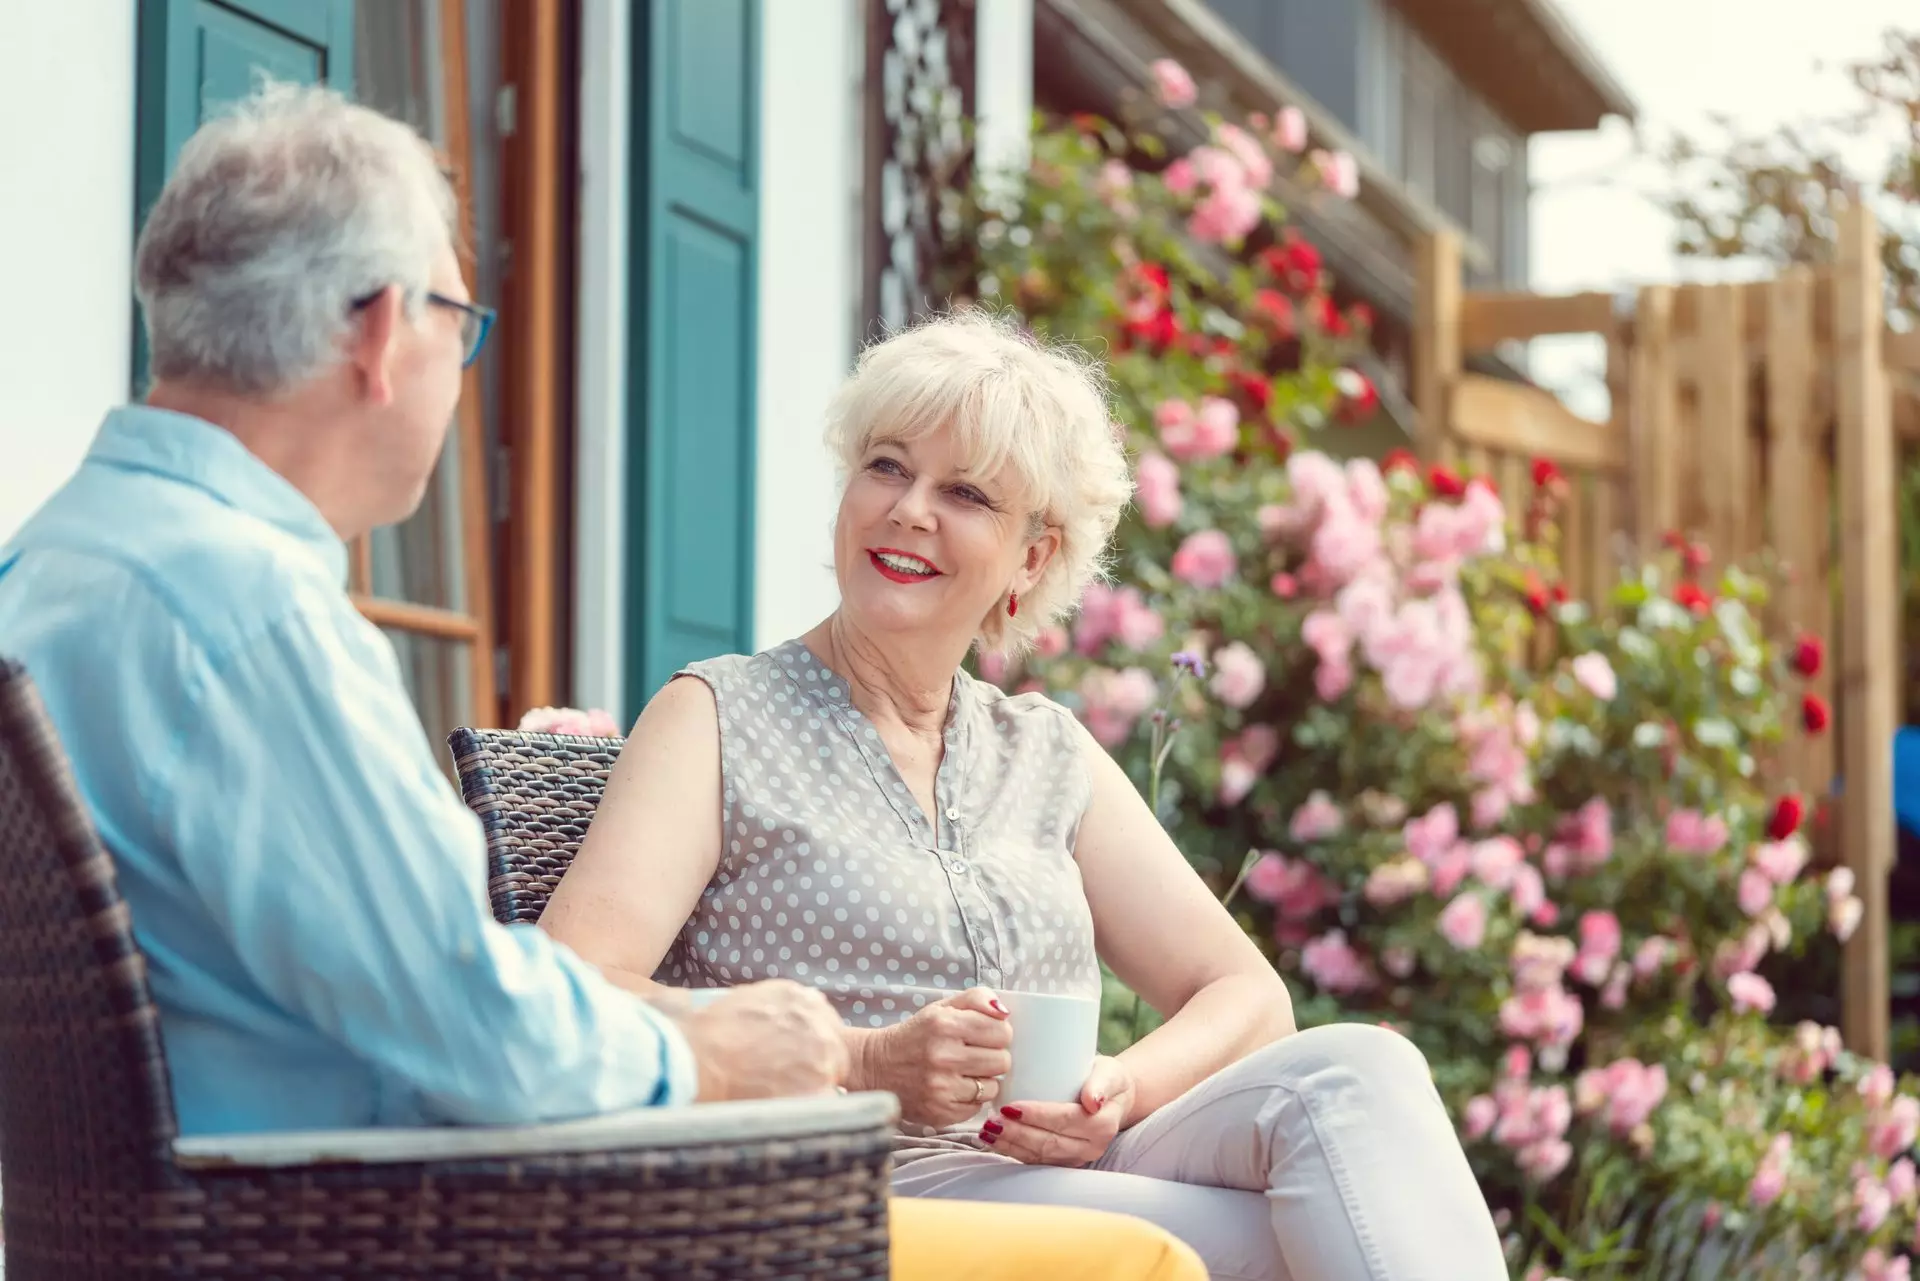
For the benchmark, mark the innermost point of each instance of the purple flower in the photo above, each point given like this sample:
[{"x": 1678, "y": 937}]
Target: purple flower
[{"x": 1188, "y": 661}]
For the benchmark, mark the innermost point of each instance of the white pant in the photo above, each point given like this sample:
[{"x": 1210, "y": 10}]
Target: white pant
[{"x": 1325, "y": 1156}]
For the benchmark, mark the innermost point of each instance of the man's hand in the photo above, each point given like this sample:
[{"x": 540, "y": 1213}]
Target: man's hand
[
  {"x": 766, "y": 1040},
  {"x": 1066, "y": 1134}
]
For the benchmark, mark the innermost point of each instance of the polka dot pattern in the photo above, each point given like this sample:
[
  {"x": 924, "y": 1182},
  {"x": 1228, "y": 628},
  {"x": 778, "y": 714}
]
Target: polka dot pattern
[{"x": 832, "y": 875}]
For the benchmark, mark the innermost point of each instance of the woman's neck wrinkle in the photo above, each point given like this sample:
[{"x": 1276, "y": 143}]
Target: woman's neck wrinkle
[{"x": 882, "y": 691}]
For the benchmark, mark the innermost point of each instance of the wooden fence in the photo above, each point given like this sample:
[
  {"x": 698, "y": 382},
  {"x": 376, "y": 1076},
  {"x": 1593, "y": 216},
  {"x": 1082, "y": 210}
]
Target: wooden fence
[{"x": 1762, "y": 417}]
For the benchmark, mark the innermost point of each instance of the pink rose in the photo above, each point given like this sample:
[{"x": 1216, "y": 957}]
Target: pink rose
[
  {"x": 1113, "y": 184},
  {"x": 1690, "y": 832},
  {"x": 1157, "y": 484},
  {"x": 993, "y": 667},
  {"x": 1544, "y": 1160},
  {"x": 1479, "y": 1116},
  {"x": 1172, "y": 84},
  {"x": 1339, "y": 172},
  {"x": 1254, "y": 164},
  {"x": 1238, "y": 675},
  {"x": 1179, "y": 177},
  {"x": 1331, "y": 962},
  {"x": 1769, "y": 1181},
  {"x": 1464, "y": 922},
  {"x": 578, "y": 722},
  {"x": 1892, "y": 1130},
  {"x": 1549, "y": 1016},
  {"x": 1750, "y": 992},
  {"x": 1539, "y": 961},
  {"x": 1225, "y": 215},
  {"x": 1114, "y": 700},
  {"x": 1290, "y": 130},
  {"x": 1652, "y": 955},
  {"x": 1332, "y": 679},
  {"x": 1595, "y": 675},
  {"x": 1876, "y": 1266},
  {"x": 1051, "y": 642},
  {"x": 1495, "y": 861},
  {"x": 1756, "y": 892},
  {"x": 1877, "y": 1086},
  {"x": 1780, "y": 861},
  {"x": 1345, "y": 544},
  {"x": 1205, "y": 559},
  {"x": 1871, "y": 1203},
  {"x": 1237, "y": 778},
  {"x": 1528, "y": 891},
  {"x": 1900, "y": 1180},
  {"x": 1599, "y": 945},
  {"x": 1316, "y": 820},
  {"x": 1432, "y": 833}
]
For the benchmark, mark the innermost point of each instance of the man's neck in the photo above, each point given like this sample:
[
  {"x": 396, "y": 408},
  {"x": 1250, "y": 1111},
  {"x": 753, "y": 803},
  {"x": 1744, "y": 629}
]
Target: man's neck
[{"x": 280, "y": 435}]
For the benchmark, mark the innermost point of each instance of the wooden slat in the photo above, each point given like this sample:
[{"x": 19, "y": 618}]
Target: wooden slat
[
  {"x": 1436, "y": 340},
  {"x": 533, "y": 321},
  {"x": 427, "y": 620},
  {"x": 476, "y": 521},
  {"x": 1576, "y": 537},
  {"x": 1902, "y": 351},
  {"x": 1606, "y": 527},
  {"x": 1870, "y": 674},
  {"x": 1724, "y": 466},
  {"x": 1797, "y": 500},
  {"x": 1906, "y": 413},
  {"x": 1523, "y": 419},
  {"x": 1488, "y": 319},
  {"x": 1513, "y": 476},
  {"x": 1654, "y": 410}
]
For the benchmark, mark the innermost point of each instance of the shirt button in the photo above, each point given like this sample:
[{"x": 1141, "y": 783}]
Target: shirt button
[
  {"x": 958, "y": 866},
  {"x": 953, "y": 814}
]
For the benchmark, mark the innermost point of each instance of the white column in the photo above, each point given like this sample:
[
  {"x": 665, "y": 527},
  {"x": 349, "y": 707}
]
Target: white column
[
  {"x": 66, "y": 238},
  {"x": 1003, "y": 83},
  {"x": 600, "y": 462},
  {"x": 810, "y": 160}
]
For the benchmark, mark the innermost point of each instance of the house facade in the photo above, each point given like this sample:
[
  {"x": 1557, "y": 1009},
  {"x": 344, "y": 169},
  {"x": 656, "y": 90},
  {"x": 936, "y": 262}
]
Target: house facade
[{"x": 690, "y": 213}]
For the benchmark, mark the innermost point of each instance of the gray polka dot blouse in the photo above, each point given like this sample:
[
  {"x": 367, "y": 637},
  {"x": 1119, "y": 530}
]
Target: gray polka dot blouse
[{"x": 831, "y": 875}]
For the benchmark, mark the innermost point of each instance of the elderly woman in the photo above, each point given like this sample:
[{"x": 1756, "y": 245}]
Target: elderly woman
[{"x": 851, "y": 810}]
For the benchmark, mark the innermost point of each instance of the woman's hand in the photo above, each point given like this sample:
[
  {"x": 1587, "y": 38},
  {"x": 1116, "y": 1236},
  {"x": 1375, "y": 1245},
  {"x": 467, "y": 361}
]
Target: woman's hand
[
  {"x": 1067, "y": 1134},
  {"x": 942, "y": 1062}
]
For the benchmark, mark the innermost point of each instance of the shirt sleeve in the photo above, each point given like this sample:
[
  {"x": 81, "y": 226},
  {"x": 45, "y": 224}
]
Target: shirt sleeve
[{"x": 310, "y": 817}]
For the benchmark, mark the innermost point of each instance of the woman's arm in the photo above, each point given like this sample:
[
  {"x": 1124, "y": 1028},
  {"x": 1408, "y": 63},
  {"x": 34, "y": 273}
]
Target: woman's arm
[
  {"x": 653, "y": 846},
  {"x": 1165, "y": 935}
]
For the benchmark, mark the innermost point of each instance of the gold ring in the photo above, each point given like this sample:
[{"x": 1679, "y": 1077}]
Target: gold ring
[{"x": 979, "y": 1088}]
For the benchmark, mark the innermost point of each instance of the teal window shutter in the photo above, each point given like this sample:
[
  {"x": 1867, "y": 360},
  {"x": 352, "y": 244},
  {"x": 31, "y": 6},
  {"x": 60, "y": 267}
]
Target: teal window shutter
[
  {"x": 692, "y": 307},
  {"x": 197, "y": 55}
]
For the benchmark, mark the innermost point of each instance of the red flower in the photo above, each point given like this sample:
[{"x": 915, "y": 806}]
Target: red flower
[
  {"x": 1275, "y": 309},
  {"x": 1673, "y": 540},
  {"x": 1815, "y": 714},
  {"x": 1360, "y": 315},
  {"x": 1400, "y": 460},
  {"x": 1544, "y": 472},
  {"x": 1257, "y": 390},
  {"x": 1559, "y": 593},
  {"x": 1696, "y": 557},
  {"x": 1158, "y": 331},
  {"x": 1293, "y": 262},
  {"x": 1808, "y": 655},
  {"x": 1445, "y": 482},
  {"x": 1358, "y": 396},
  {"x": 1693, "y": 597},
  {"x": 1788, "y": 813},
  {"x": 1326, "y": 315},
  {"x": 1536, "y": 595},
  {"x": 1155, "y": 275}
]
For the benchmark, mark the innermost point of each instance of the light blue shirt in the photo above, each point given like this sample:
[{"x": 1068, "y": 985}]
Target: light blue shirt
[{"x": 307, "y": 885}]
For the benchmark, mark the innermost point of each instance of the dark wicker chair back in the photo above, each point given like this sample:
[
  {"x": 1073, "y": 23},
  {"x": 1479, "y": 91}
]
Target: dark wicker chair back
[
  {"x": 535, "y": 795},
  {"x": 86, "y": 1108}
]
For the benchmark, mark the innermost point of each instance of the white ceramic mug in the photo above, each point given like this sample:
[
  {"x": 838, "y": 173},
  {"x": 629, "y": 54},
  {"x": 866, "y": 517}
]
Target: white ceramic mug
[{"x": 1055, "y": 1040}]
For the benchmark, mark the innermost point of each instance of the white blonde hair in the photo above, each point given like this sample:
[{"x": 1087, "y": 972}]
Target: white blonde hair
[
  {"x": 1011, "y": 401},
  {"x": 281, "y": 212}
]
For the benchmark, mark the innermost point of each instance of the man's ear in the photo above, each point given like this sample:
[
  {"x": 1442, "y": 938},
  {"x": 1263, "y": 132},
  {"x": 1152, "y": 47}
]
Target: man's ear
[{"x": 375, "y": 341}]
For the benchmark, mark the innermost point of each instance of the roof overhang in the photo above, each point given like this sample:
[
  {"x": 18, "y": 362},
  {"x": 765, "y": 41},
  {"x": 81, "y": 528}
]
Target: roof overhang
[{"x": 1524, "y": 58}]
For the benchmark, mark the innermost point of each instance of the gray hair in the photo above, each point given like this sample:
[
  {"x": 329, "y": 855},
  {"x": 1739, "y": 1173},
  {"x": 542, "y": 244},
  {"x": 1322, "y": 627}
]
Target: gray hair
[
  {"x": 280, "y": 214},
  {"x": 1013, "y": 401}
]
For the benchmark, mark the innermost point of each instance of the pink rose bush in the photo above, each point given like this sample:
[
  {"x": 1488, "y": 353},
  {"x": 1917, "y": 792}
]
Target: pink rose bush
[{"x": 1531, "y": 833}]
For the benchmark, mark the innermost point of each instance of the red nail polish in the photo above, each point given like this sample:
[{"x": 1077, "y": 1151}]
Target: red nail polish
[
  {"x": 998, "y": 1007},
  {"x": 988, "y": 1136},
  {"x": 992, "y": 1126},
  {"x": 1012, "y": 1114}
]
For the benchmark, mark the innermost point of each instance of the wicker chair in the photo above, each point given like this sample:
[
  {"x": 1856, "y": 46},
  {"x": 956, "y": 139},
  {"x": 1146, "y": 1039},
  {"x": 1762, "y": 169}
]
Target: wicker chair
[
  {"x": 98, "y": 1185},
  {"x": 535, "y": 795}
]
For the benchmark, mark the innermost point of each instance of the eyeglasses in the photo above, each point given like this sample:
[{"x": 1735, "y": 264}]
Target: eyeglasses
[{"x": 476, "y": 322}]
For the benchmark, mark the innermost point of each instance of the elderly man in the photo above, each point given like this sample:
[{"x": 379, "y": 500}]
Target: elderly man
[{"x": 306, "y": 885}]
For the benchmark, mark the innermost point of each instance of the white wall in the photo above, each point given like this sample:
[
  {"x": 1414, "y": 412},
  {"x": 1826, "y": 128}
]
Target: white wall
[
  {"x": 810, "y": 176},
  {"x": 66, "y": 238}
]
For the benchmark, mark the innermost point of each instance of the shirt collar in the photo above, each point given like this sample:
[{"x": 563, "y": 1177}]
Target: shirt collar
[{"x": 212, "y": 459}]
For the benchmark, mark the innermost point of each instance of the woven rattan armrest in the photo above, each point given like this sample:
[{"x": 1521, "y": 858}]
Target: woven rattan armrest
[{"x": 698, "y": 1125}]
